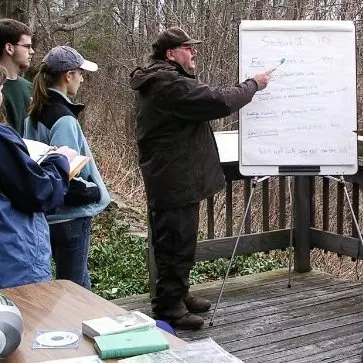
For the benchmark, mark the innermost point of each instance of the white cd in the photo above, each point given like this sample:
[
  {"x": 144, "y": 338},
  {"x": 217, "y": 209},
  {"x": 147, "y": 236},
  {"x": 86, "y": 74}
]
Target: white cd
[{"x": 56, "y": 338}]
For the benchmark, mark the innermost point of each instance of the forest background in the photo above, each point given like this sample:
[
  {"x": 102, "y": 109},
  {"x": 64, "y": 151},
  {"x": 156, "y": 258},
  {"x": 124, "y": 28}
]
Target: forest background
[{"x": 117, "y": 34}]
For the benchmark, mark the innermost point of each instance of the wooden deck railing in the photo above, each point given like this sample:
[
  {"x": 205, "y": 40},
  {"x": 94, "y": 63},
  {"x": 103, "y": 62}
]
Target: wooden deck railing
[{"x": 321, "y": 220}]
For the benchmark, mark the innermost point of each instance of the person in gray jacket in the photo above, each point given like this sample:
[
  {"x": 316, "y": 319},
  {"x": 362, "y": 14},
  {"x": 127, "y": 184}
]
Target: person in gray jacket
[
  {"x": 53, "y": 119},
  {"x": 179, "y": 162}
]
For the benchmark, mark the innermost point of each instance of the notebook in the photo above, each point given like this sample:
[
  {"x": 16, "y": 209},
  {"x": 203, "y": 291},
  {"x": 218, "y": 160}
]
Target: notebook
[
  {"x": 130, "y": 343},
  {"x": 131, "y": 320}
]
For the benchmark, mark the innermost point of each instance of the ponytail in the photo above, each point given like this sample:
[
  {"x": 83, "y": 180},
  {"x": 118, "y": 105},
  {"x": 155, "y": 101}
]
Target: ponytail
[
  {"x": 3, "y": 77},
  {"x": 44, "y": 79}
]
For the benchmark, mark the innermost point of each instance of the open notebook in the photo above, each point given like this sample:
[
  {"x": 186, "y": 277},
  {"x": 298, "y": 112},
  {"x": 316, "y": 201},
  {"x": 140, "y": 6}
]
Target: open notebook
[{"x": 38, "y": 151}]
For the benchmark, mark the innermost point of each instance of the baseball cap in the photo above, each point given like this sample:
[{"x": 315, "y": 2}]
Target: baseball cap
[
  {"x": 172, "y": 38},
  {"x": 64, "y": 58}
]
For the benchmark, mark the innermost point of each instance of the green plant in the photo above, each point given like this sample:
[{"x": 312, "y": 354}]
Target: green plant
[
  {"x": 118, "y": 263},
  {"x": 117, "y": 259}
]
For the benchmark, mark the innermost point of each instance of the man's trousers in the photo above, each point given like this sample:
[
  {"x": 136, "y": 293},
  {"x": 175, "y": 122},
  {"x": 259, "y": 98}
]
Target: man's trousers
[{"x": 174, "y": 237}]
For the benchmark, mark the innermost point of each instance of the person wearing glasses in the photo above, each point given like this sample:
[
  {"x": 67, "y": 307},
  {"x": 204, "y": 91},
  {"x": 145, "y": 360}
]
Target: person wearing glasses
[
  {"x": 16, "y": 53},
  {"x": 53, "y": 119},
  {"x": 179, "y": 162}
]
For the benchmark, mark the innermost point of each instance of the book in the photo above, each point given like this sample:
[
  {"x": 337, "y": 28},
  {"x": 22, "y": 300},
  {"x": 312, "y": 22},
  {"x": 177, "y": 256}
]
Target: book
[
  {"x": 130, "y": 320},
  {"x": 38, "y": 151},
  {"x": 198, "y": 351},
  {"x": 130, "y": 343}
]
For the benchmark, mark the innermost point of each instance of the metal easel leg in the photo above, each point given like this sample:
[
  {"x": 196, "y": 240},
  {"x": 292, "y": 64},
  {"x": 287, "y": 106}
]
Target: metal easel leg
[
  {"x": 291, "y": 228},
  {"x": 255, "y": 181}
]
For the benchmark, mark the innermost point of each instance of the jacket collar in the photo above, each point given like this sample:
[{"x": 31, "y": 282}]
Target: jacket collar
[
  {"x": 180, "y": 69},
  {"x": 59, "y": 97}
]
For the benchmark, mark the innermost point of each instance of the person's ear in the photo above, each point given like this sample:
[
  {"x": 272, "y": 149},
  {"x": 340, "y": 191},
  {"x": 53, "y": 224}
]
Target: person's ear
[
  {"x": 169, "y": 55},
  {"x": 9, "y": 49},
  {"x": 68, "y": 76}
]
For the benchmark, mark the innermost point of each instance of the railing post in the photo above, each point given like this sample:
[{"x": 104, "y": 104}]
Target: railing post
[{"x": 302, "y": 202}]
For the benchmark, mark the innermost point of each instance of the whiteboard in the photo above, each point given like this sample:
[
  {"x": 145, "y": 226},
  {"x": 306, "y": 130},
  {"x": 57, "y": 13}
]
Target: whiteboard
[{"x": 303, "y": 123}]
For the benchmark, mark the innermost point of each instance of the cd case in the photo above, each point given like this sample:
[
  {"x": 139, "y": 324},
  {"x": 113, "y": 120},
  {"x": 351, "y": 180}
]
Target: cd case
[{"x": 51, "y": 339}]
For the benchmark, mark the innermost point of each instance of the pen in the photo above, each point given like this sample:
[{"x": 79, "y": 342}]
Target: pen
[{"x": 282, "y": 60}]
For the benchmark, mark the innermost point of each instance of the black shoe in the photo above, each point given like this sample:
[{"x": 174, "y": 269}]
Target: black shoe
[
  {"x": 188, "y": 322},
  {"x": 196, "y": 304}
]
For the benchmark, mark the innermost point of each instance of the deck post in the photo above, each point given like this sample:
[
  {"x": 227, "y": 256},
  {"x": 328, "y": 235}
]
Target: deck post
[{"x": 302, "y": 208}]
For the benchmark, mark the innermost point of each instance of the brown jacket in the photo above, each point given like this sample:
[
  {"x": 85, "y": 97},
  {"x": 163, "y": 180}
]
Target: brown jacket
[{"x": 178, "y": 155}]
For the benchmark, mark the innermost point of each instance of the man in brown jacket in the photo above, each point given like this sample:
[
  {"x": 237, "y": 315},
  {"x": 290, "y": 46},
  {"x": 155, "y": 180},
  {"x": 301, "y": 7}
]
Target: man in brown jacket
[{"x": 179, "y": 162}]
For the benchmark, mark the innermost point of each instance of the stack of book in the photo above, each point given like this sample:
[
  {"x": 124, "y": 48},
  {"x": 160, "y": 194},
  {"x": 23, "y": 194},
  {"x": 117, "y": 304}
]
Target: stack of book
[{"x": 125, "y": 335}]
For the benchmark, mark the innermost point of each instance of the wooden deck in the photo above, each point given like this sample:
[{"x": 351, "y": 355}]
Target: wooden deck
[{"x": 318, "y": 319}]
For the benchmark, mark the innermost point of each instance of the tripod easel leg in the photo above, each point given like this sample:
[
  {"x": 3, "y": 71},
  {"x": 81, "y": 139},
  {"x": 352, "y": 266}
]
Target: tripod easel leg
[{"x": 254, "y": 184}]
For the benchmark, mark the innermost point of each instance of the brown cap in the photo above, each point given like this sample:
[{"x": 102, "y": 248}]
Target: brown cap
[{"x": 172, "y": 38}]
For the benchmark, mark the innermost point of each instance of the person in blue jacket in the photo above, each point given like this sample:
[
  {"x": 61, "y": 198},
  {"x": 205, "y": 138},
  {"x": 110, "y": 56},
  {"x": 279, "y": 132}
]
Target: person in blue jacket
[
  {"x": 53, "y": 120},
  {"x": 27, "y": 190}
]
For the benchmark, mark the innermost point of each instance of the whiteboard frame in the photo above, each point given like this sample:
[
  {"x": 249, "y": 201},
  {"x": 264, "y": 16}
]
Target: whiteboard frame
[{"x": 295, "y": 25}]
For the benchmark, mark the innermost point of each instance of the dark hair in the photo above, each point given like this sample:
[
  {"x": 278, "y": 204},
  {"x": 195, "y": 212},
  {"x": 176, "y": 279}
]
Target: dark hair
[
  {"x": 10, "y": 32},
  {"x": 44, "y": 79}
]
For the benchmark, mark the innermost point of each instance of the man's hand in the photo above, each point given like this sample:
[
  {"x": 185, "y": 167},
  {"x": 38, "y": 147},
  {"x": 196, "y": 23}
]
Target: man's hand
[
  {"x": 262, "y": 79},
  {"x": 69, "y": 153}
]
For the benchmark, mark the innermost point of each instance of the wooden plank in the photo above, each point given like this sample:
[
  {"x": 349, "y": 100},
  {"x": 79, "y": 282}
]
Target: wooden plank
[
  {"x": 326, "y": 203},
  {"x": 355, "y": 206},
  {"x": 250, "y": 285},
  {"x": 342, "y": 245},
  {"x": 295, "y": 342},
  {"x": 265, "y": 206},
  {"x": 312, "y": 188},
  {"x": 278, "y": 319},
  {"x": 282, "y": 202},
  {"x": 248, "y": 243},
  {"x": 340, "y": 208},
  {"x": 317, "y": 350},
  {"x": 260, "y": 320},
  {"x": 246, "y": 194},
  {"x": 229, "y": 212},
  {"x": 283, "y": 335}
]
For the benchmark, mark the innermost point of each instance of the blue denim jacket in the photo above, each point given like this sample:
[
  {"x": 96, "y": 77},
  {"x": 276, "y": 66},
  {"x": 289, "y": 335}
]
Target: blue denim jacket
[{"x": 27, "y": 190}]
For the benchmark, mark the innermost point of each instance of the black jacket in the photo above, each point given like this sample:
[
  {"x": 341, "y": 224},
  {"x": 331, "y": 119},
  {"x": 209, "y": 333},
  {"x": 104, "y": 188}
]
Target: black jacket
[{"x": 178, "y": 155}]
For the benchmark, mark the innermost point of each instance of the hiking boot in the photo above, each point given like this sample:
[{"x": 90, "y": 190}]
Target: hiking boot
[
  {"x": 196, "y": 304},
  {"x": 188, "y": 322}
]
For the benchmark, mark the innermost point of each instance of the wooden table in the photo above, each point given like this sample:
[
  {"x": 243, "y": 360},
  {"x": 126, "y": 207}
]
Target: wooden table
[{"x": 59, "y": 305}]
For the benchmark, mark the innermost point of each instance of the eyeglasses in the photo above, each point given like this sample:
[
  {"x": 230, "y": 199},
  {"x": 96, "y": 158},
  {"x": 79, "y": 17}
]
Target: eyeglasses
[
  {"x": 191, "y": 48},
  {"x": 28, "y": 46}
]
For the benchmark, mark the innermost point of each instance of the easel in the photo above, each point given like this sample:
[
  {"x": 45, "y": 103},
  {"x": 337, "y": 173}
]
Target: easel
[{"x": 255, "y": 182}]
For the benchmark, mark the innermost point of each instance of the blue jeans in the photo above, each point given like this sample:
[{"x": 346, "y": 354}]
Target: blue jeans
[{"x": 70, "y": 244}]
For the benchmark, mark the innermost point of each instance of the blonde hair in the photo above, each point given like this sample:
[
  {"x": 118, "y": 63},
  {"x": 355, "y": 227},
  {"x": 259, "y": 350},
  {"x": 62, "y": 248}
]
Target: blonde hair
[
  {"x": 44, "y": 79},
  {"x": 3, "y": 75}
]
